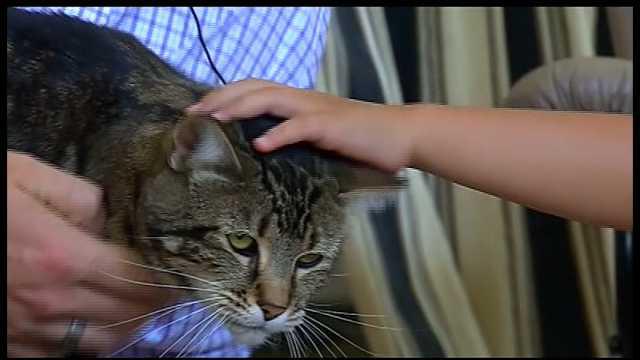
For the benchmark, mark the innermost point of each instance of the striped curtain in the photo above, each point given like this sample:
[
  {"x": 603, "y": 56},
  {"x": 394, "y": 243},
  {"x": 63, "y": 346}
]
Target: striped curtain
[{"x": 456, "y": 272}]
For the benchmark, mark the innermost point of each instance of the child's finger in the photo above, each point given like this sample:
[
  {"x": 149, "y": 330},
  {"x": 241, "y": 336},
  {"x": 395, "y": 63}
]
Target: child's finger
[
  {"x": 214, "y": 99},
  {"x": 282, "y": 102},
  {"x": 290, "y": 132}
]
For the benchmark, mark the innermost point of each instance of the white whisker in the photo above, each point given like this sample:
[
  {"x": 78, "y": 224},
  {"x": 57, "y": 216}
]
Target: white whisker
[
  {"x": 322, "y": 305},
  {"x": 216, "y": 327},
  {"x": 155, "y": 285},
  {"x": 342, "y": 337},
  {"x": 353, "y": 321},
  {"x": 304, "y": 333},
  {"x": 314, "y": 333},
  {"x": 187, "y": 333},
  {"x": 349, "y": 313},
  {"x": 289, "y": 345},
  {"x": 296, "y": 342},
  {"x": 160, "y": 328},
  {"x": 175, "y": 307},
  {"x": 168, "y": 271},
  {"x": 340, "y": 275},
  {"x": 304, "y": 320},
  {"x": 213, "y": 318}
]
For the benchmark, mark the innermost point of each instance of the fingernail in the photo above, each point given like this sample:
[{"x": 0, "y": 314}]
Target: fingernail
[
  {"x": 220, "y": 116},
  {"x": 261, "y": 143}
]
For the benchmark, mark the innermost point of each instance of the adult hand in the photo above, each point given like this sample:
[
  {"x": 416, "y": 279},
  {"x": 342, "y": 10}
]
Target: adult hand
[
  {"x": 329, "y": 122},
  {"x": 56, "y": 265}
]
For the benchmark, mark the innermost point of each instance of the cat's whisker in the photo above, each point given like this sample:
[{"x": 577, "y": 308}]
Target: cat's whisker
[
  {"x": 160, "y": 328},
  {"x": 340, "y": 275},
  {"x": 322, "y": 305},
  {"x": 314, "y": 333},
  {"x": 354, "y": 321},
  {"x": 216, "y": 327},
  {"x": 137, "y": 329},
  {"x": 343, "y": 337},
  {"x": 156, "y": 285},
  {"x": 189, "y": 332},
  {"x": 167, "y": 308},
  {"x": 305, "y": 321},
  {"x": 313, "y": 343},
  {"x": 269, "y": 342},
  {"x": 296, "y": 343},
  {"x": 211, "y": 318},
  {"x": 289, "y": 345},
  {"x": 301, "y": 342},
  {"x": 352, "y": 314},
  {"x": 168, "y": 271}
]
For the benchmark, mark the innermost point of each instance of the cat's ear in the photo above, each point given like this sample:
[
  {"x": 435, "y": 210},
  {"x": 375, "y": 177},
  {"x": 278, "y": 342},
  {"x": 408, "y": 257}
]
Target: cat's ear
[{"x": 201, "y": 146}]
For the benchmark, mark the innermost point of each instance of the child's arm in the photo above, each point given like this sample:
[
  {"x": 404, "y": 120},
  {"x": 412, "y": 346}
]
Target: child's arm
[{"x": 575, "y": 165}]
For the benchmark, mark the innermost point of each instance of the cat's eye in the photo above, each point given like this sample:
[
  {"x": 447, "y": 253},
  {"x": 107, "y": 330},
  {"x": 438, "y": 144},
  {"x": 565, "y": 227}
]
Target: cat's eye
[
  {"x": 308, "y": 260},
  {"x": 243, "y": 244}
]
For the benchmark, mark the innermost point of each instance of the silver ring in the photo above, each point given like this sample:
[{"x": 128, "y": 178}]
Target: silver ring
[{"x": 72, "y": 338}]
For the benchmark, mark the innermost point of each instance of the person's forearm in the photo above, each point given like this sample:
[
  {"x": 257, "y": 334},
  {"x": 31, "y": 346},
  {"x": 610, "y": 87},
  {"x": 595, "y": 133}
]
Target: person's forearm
[{"x": 577, "y": 166}]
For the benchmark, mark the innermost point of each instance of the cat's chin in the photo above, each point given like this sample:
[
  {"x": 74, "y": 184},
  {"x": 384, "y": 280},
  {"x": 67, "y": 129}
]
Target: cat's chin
[{"x": 249, "y": 336}]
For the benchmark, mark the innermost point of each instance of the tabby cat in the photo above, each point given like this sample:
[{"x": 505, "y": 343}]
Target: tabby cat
[{"x": 186, "y": 192}]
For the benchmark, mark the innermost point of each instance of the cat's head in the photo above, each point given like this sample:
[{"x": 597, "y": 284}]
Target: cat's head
[{"x": 257, "y": 236}]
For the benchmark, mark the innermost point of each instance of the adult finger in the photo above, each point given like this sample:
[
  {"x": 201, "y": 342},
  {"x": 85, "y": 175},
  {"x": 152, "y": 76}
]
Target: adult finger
[
  {"x": 58, "y": 253},
  {"x": 50, "y": 252},
  {"x": 26, "y": 349},
  {"x": 48, "y": 338},
  {"x": 73, "y": 197},
  {"x": 66, "y": 302},
  {"x": 53, "y": 252},
  {"x": 121, "y": 272}
]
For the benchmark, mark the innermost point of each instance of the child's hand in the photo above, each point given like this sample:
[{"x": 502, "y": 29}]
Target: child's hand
[{"x": 367, "y": 132}]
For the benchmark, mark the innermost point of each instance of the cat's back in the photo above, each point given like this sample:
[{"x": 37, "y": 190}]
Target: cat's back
[
  {"x": 68, "y": 79},
  {"x": 32, "y": 35},
  {"x": 56, "y": 65}
]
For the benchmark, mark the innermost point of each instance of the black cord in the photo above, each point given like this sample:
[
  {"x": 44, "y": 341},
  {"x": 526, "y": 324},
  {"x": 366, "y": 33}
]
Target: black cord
[{"x": 193, "y": 12}]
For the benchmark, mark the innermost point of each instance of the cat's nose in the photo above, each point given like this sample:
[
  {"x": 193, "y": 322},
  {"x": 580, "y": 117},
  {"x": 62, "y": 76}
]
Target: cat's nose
[{"x": 271, "y": 311}]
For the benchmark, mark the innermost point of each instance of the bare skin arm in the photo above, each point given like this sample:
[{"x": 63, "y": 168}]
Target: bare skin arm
[{"x": 574, "y": 165}]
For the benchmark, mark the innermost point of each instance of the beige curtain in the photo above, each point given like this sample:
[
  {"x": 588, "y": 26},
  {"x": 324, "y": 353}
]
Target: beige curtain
[
  {"x": 593, "y": 247},
  {"x": 466, "y": 252},
  {"x": 365, "y": 287},
  {"x": 487, "y": 232}
]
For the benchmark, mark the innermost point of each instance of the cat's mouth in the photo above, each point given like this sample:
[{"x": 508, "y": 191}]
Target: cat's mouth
[
  {"x": 251, "y": 335},
  {"x": 255, "y": 334}
]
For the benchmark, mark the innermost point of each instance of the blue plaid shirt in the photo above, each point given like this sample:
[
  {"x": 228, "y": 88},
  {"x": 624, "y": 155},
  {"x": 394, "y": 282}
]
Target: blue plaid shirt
[{"x": 281, "y": 44}]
